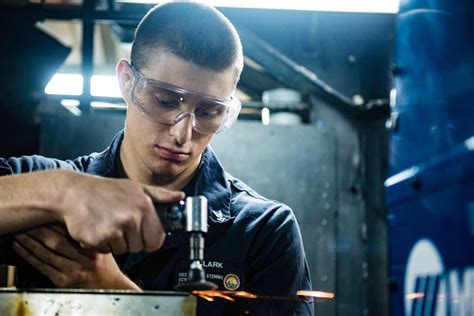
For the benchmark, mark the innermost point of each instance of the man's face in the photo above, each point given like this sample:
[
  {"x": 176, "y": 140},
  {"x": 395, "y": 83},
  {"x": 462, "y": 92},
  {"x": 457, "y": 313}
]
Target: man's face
[{"x": 164, "y": 150}]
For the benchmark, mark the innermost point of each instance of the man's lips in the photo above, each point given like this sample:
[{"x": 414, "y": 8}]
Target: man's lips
[{"x": 171, "y": 154}]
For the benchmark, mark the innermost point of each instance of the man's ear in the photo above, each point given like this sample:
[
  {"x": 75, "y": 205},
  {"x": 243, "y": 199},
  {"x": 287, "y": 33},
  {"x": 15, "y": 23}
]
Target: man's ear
[
  {"x": 128, "y": 86},
  {"x": 124, "y": 75}
]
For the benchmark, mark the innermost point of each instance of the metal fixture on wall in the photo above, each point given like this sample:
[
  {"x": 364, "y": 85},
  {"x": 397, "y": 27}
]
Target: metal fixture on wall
[{"x": 285, "y": 107}]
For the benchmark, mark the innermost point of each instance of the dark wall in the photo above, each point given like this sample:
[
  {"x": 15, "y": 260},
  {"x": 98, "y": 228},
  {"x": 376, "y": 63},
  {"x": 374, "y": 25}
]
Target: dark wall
[
  {"x": 29, "y": 58},
  {"x": 350, "y": 51}
]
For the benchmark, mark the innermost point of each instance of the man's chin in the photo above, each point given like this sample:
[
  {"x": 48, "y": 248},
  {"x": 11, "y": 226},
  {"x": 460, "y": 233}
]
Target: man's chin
[{"x": 167, "y": 169}]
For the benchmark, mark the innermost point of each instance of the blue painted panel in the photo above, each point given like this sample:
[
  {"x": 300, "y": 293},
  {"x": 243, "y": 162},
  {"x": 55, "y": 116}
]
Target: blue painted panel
[
  {"x": 432, "y": 235},
  {"x": 430, "y": 193},
  {"x": 435, "y": 93}
]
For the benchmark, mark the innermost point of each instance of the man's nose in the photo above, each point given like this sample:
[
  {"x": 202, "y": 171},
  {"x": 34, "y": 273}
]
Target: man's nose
[{"x": 182, "y": 130}]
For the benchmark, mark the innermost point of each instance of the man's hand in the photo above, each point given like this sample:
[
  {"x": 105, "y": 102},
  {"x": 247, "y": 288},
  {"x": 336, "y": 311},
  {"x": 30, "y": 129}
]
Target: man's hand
[
  {"x": 115, "y": 215},
  {"x": 66, "y": 264}
]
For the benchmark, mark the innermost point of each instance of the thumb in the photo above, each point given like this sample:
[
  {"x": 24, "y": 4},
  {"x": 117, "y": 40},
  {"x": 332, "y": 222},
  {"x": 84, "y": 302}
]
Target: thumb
[{"x": 162, "y": 195}]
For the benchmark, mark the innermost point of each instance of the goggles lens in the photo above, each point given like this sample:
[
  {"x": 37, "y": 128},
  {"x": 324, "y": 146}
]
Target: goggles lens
[{"x": 167, "y": 104}]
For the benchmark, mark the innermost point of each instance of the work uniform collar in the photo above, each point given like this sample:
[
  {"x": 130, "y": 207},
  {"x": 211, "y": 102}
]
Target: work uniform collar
[
  {"x": 211, "y": 181},
  {"x": 106, "y": 163}
]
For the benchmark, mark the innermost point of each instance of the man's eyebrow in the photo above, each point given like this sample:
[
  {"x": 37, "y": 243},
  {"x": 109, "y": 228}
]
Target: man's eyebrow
[{"x": 209, "y": 104}]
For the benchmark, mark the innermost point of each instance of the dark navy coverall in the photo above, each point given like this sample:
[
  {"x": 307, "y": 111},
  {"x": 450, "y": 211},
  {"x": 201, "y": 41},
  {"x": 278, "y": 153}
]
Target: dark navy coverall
[{"x": 253, "y": 244}]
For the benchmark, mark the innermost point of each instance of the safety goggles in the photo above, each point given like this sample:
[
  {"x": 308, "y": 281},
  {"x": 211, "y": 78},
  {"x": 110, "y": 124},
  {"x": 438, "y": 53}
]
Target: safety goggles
[{"x": 168, "y": 104}]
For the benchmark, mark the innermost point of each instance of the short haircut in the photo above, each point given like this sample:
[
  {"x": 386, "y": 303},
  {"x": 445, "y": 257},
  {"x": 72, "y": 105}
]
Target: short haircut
[{"x": 195, "y": 32}]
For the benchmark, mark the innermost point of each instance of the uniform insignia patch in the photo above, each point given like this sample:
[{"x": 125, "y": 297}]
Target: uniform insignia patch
[{"x": 231, "y": 282}]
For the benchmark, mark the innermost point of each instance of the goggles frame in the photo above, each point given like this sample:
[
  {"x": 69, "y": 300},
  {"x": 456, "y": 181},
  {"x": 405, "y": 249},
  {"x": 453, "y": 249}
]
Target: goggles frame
[{"x": 232, "y": 104}]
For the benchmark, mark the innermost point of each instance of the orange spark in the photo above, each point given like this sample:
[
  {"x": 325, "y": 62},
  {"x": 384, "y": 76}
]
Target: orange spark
[
  {"x": 413, "y": 296},
  {"x": 318, "y": 294}
]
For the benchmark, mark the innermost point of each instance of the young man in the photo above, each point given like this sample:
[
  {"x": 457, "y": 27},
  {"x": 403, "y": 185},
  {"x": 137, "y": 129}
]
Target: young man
[{"x": 66, "y": 218}]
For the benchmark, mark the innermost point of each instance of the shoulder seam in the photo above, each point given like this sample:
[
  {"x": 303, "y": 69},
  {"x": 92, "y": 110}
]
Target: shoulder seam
[{"x": 255, "y": 194}]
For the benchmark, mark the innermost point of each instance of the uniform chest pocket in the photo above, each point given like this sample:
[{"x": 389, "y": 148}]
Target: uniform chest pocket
[{"x": 227, "y": 275}]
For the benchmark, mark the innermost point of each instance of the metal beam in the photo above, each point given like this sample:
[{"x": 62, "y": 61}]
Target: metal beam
[
  {"x": 41, "y": 12},
  {"x": 290, "y": 73}
]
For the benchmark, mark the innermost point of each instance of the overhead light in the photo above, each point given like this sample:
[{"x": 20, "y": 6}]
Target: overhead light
[
  {"x": 372, "y": 6},
  {"x": 105, "y": 86},
  {"x": 72, "y": 84},
  {"x": 65, "y": 84}
]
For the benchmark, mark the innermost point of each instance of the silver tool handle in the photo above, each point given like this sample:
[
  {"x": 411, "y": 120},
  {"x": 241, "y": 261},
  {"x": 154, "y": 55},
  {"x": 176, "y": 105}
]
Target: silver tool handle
[{"x": 196, "y": 214}]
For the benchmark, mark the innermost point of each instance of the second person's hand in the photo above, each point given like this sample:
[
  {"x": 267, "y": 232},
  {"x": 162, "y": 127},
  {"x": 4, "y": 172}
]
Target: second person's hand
[{"x": 50, "y": 250}]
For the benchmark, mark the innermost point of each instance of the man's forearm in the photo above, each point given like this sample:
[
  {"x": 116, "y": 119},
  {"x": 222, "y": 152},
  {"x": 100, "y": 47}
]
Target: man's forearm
[{"x": 32, "y": 199}]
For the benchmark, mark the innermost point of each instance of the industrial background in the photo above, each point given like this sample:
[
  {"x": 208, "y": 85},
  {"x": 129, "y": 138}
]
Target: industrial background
[{"x": 314, "y": 129}]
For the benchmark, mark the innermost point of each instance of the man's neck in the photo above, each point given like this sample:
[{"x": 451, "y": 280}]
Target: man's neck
[
  {"x": 140, "y": 173},
  {"x": 171, "y": 183}
]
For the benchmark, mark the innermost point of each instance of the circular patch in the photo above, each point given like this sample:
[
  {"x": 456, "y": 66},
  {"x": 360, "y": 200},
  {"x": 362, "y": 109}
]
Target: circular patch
[{"x": 231, "y": 282}]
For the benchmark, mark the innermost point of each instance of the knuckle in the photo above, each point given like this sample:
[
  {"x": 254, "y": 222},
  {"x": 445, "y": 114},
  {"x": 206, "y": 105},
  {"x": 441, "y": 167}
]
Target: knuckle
[
  {"x": 136, "y": 246},
  {"x": 74, "y": 275},
  {"x": 149, "y": 247},
  {"x": 54, "y": 244},
  {"x": 76, "y": 234},
  {"x": 90, "y": 240},
  {"x": 153, "y": 247},
  {"x": 145, "y": 204},
  {"x": 87, "y": 240},
  {"x": 115, "y": 235},
  {"x": 61, "y": 281},
  {"x": 135, "y": 249},
  {"x": 155, "y": 243},
  {"x": 129, "y": 223},
  {"x": 79, "y": 275}
]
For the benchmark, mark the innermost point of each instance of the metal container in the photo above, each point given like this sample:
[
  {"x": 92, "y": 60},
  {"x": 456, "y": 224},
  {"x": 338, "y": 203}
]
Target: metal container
[{"x": 86, "y": 302}]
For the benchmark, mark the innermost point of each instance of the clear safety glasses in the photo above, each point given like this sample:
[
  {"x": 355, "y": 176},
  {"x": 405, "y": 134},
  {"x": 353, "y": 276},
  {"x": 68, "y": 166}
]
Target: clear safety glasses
[{"x": 168, "y": 104}]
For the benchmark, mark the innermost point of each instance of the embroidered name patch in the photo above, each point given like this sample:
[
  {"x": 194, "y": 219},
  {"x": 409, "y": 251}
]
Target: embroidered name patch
[
  {"x": 227, "y": 275},
  {"x": 213, "y": 264}
]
